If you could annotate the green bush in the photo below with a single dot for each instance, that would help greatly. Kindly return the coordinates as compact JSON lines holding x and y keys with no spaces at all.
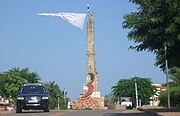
{"x":174,"y":97}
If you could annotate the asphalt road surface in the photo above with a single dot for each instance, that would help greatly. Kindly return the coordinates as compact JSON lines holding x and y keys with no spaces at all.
{"x":76,"y":113}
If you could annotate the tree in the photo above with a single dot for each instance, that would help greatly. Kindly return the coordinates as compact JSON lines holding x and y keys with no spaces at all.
{"x":53,"y":95}
{"x":2,"y":80}
{"x":174,"y":95}
{"x":109,"y":100}
{"x":156,"y":24}
{"x":175,"y":76}
{"x":126,"y":88}
{"x":31,"y":77}
{"x":13,"y":79}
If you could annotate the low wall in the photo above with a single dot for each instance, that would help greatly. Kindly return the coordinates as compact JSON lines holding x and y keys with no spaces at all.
{"x":90,"y":103}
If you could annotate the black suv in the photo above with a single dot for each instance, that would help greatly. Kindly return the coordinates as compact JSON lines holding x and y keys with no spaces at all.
{"x":32,"y":96}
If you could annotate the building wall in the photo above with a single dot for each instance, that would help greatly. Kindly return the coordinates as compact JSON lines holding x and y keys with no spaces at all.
{"x":155,"y":98}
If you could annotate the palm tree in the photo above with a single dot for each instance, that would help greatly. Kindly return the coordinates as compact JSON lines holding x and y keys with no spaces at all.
{"x":53,"y":95}
{"x":175,"y":75}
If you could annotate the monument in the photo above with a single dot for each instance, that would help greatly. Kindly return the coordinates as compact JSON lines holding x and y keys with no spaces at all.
{"x":91,"y":97}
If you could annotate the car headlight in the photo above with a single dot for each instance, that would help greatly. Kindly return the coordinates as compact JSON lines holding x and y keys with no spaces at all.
{"x":20,"y":98}
{"x":45,"y":97}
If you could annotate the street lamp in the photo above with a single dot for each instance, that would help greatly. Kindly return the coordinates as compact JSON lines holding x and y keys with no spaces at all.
{"x":167,"y":77}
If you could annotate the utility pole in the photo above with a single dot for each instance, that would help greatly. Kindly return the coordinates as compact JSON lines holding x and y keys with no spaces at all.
{"x":137,"y":104}
{"x":167,"y":77}
{"x":58,"y":102}
{"x":64,"y":96}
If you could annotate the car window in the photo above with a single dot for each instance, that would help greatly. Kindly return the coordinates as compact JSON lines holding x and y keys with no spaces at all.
{"x":33,"y":90}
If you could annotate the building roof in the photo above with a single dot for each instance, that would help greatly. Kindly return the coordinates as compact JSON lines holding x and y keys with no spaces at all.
{"x":159,"y":86}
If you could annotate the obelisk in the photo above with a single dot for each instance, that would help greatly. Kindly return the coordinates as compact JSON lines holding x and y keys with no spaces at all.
{"x":91,"y":96}
{"x":92,"y":75}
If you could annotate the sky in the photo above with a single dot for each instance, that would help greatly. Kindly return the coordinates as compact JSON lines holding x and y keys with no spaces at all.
{"x":56,"y":50}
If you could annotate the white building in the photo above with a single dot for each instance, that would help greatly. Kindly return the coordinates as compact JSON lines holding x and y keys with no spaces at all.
{"x":155,"y":98}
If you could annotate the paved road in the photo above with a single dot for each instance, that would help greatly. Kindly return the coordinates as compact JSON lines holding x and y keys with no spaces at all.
{"x":77,"y":113}
{"x":32,"y":113}
{"x":105,"y":113}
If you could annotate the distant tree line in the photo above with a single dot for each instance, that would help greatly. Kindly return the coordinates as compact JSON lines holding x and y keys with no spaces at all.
{"x":126,"y":88}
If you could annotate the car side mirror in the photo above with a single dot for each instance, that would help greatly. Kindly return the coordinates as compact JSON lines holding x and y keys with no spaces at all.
{"x":49,"y":90}
{"x":18,"y":91}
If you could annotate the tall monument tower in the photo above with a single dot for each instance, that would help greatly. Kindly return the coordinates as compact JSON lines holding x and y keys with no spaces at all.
{"x":92,"y":75}
{"x":91,"y":96}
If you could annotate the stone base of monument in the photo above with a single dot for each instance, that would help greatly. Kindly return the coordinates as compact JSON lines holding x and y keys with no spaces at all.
{"x":93,"y":103}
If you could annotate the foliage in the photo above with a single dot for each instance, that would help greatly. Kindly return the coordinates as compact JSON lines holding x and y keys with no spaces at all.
{"x":31,"y":77}
{"x":156,"y":25}
{"x":126,"y":88}
{"x":14,"y":79}
{"x":175,"y":75}
{"x":108,"y":100}
{"x":53,"y":95}
{"x":174,"y":97}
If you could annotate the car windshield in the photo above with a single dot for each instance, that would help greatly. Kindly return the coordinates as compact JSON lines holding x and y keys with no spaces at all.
{"x":33,"y":90}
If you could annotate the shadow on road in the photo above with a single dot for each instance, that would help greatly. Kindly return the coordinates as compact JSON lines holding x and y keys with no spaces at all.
{"x":126,"y":114}
{"x":161,"y":111}
{"x":31,"y":111}
{"x":164,"y":110}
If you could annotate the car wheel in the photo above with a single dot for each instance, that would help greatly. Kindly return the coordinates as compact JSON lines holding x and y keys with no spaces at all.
{"x":46,"y":109}
{"x":18,"y":110}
